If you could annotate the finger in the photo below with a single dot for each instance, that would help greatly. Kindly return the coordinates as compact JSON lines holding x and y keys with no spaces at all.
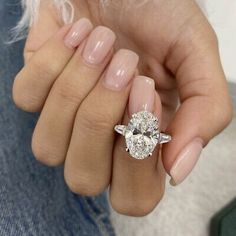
{"x":34,"y":81}
{"x":53,"y":130}
{"x":205,"y":105}
{"x":137,"y":185}
{"x":43,"y":27}
{"x":89,"y":158}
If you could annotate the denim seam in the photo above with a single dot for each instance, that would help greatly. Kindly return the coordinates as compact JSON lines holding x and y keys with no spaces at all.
{"x":100,"y":225}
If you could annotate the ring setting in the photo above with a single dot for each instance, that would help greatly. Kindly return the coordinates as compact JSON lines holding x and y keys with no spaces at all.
{"x":142,"y":134}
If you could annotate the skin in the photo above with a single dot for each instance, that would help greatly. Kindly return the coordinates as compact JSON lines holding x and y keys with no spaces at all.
{"x":178,"y":49}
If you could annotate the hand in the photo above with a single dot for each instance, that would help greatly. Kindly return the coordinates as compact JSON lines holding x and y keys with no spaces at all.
{"x":82,"y":90}
{"x":178,"y":48}
{"x":180,"y":51}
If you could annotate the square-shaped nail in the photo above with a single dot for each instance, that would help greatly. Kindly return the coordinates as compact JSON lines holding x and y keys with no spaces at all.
{"x":78,"y":32}
{"x":99,"y":44}
{"x":121,"y":69}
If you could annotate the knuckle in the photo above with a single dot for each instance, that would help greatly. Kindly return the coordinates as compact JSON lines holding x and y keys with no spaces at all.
{"x":135,"y":207}
{"x":228,"y":114}
{"x":213,"y":37}
{"x":84,"y":183}
{"x":23,"y":99}
{"x":26,"y":103}
{"x":24,"y":96}
{"x":69,"y":91}
{"x":44,"y":69}
{"x":225,"y":117}
{"x":45,"y":154}
{"x":95,"y":121}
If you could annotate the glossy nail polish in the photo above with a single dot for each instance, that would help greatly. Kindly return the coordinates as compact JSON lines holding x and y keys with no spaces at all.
{"x":185,"y":161}
{"x":99,"y":44}
{"x":142,"y":95}
{"x":78,"y":32}
{"x":121,"y":70}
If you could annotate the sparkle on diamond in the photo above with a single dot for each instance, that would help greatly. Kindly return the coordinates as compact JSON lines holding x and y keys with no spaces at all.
{"x":142,"y":134}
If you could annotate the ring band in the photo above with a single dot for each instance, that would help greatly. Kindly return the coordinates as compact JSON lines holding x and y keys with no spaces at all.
{"x":142,"y":134}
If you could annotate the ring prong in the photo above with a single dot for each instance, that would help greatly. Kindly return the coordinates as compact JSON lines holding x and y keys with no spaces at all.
{"x":150,"y":154}
{"x":164,"y":138}
{"x":120,"y":129}
{"x":127,"y":149}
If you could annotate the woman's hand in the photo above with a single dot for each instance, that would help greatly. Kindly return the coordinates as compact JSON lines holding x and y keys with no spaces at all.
{"x":81,"y":89}
{"x":178,"y":48}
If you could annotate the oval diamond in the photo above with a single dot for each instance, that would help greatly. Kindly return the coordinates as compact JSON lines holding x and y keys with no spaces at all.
{"x":142,"y":134}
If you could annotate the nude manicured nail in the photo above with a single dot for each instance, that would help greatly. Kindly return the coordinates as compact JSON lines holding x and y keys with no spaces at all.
{"x":121,"y":70}
{"x":78,"y":32}
{"x":186,"y":161}
{"x":98,"y":45}
{"x":142,"y":95}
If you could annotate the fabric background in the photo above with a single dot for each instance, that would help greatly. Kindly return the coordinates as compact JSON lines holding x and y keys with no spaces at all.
{"x":34,"y":199}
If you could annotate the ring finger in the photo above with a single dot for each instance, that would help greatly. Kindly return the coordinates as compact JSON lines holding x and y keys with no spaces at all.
{"x":137,"y":185}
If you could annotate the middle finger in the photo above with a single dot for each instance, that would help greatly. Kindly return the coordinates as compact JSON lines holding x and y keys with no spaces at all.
{"x":89,"y":158}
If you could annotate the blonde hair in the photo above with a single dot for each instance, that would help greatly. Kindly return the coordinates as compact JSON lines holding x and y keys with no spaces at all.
{"x":30,"y":13}
{"x":65,"y":7}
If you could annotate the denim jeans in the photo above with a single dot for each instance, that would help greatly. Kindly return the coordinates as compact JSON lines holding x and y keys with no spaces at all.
{"x":34,"y":199}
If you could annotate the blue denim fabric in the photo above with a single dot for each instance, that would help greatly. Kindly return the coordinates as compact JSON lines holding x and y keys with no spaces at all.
{"x":34,"y":199}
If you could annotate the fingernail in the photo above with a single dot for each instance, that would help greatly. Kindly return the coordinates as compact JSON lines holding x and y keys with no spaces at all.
{"x":142,"y":95}
{"x":98,"y":45}
{"x":78,"y":32}
{"x":186,"y":161}
{"x":121,"y":69}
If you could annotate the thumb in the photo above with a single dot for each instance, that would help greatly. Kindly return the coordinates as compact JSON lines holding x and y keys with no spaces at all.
{"x":205,"y":108}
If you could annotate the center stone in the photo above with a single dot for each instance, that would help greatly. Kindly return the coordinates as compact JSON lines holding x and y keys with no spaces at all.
{"x":142,"y":134}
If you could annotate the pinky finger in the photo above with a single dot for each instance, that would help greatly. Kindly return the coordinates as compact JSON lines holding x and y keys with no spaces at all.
{"x":34,"y":81}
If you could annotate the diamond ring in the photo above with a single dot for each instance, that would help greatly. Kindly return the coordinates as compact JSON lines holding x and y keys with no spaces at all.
{"x":142,"y":134}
